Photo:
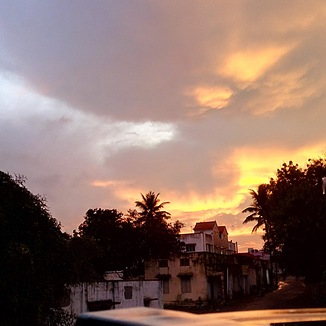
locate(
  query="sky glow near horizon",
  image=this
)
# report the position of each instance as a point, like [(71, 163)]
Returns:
[(198, 101)]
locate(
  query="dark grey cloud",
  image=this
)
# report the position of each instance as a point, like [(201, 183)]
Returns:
[(98, 100), (110, 58)]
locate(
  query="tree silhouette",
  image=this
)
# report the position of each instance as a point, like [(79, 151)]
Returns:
[(260, 213), (33, 254), (159, 238), (113, 238), (151, 208), (259, 210), (292, 211), (124, 242)]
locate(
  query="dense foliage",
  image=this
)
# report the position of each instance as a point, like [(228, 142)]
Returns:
[(160, 238), (32, 254), (292, 211), (112, 241), (38, 260), (122, 242)]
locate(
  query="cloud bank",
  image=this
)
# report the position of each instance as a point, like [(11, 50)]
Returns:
[(199, 101)]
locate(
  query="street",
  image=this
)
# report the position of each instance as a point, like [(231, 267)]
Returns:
[(291, 293)]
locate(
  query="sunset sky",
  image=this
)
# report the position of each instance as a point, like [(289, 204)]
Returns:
[(199, 101)]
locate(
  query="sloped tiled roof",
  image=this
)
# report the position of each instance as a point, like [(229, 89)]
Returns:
[(203, 226), (222, 228)]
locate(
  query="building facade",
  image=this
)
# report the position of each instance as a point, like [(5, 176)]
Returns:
[(209, 237), (209, 269), (107, 295)]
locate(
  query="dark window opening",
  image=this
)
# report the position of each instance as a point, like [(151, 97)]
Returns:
[(190, 247), (184, 262), (209, 248), (163, 263), (166, 287), (128, 292), (185, 285)]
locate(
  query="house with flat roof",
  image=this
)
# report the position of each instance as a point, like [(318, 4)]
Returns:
[(208, 270)]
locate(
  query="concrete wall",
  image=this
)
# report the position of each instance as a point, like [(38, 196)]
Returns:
[(221, 238), (199, 239), (114, 295), (174, 273), (201, 277)]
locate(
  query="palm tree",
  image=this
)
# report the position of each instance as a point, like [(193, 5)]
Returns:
[(259, 211), (151, 208), (159, 238)]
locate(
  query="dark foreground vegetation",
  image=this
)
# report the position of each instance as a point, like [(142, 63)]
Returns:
[(38, 259), (291, 209)]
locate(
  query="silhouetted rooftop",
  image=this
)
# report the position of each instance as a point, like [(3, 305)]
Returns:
[(203, 226)]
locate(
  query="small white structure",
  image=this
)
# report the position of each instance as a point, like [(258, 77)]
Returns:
[(233, 247), (113, 295), (259, 253)]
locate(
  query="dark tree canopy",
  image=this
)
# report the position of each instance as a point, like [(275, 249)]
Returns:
[(150, 209), (292, 211), (32, 254), (259, 210), (123, 242), (113, 239), (160, 238), (38, 259)]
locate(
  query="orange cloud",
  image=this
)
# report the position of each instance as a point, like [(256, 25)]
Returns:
[(283, 90), (104, 183), (249, 65), (244, 229), (257, 166), (212, 97), (212, 204), (252, 167)]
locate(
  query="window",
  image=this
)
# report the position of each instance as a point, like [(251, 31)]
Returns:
[(185, 285), (184, 262), (163, 263), (190, 247), (166, 287), (128, 292), (209, 248)]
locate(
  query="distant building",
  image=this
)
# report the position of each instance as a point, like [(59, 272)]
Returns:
[(208, 270), (209, 237)]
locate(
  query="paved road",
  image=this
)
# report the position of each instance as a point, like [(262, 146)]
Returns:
[(290, 294)]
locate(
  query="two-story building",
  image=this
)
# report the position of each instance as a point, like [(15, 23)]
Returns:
[(208, 270)]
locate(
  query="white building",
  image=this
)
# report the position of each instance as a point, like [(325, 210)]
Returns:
[(96, 296), (259, 253)]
